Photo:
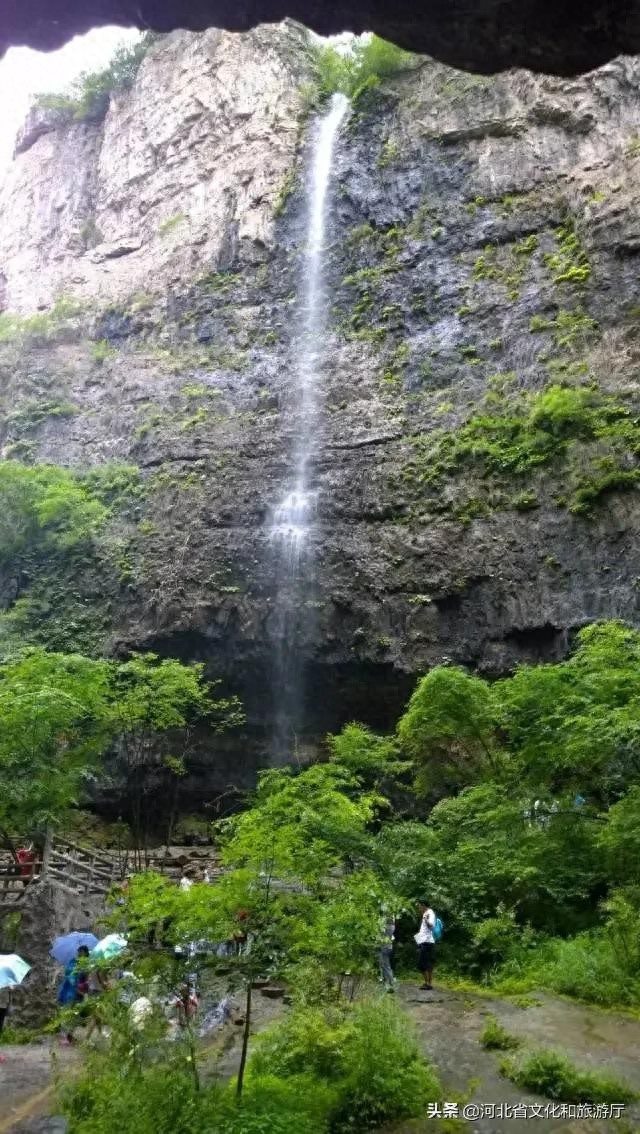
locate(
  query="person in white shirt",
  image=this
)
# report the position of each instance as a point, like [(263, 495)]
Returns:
[(425, 941)]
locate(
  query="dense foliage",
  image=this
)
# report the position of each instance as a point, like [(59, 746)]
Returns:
[(302, 884), (323, 1071), (534, 784), (589, 434), (53, 727), (523, 834), (44, 507), (61, 713)]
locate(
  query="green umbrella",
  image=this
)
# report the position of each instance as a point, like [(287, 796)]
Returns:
[(110, 946)]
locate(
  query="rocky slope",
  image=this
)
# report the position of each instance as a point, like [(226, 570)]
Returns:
[(477, 493)]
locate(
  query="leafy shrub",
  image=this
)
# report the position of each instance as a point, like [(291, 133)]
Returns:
[(367, 1056), (496, 1038), (384, 1076), (101, 351), (564, 411), (316, 1073), (550, 1074), (271, 1105), (163, 1099), (592, 489), (368, 756), (154, 1100), (43, 326), (537, 431), (115, 484), (569, 264), (44, 505), (600, 966)]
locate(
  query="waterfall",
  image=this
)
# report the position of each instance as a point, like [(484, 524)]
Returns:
[(293, 518)]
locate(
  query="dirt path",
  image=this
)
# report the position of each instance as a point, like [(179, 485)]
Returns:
[(26, 1076), (449, 1026)]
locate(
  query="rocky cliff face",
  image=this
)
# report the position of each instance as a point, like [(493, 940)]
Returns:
[(477, 488), (182, 173)]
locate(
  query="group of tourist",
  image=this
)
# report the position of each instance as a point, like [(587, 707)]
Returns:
[(429, 931), (81, 981)]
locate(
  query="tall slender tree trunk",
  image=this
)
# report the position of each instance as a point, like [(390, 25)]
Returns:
[(245, 1041)]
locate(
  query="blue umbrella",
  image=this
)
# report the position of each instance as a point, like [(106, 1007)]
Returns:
[(13, 970), (65, 948)]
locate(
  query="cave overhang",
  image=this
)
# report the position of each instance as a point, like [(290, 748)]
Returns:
[(562, 37)]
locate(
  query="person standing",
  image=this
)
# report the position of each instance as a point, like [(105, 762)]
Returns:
[(426, 943), (5, 1004), (385, 953), (75, 984)]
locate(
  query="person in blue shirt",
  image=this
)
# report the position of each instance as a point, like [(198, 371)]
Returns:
[(75, 983)]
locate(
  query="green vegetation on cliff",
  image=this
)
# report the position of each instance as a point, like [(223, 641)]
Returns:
[(62, 534), (589, 440), (360, 66), (87, 100), (535, 787)]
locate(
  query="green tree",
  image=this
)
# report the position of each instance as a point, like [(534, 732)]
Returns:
[(89, 95), (620, 839), (301, 826), (575, 726), (156, 707), (374, 760), (54, 725), (362, 65), (288, 858), (448, 730)]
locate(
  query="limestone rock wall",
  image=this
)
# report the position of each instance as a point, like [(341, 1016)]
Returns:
[(184, 170), (482, 249)]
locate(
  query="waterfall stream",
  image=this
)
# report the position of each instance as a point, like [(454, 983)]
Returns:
[(293, 518)]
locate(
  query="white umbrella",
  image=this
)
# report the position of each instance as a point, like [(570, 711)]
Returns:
[(13, 970)]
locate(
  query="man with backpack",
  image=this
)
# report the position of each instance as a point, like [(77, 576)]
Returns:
[(429, 932)]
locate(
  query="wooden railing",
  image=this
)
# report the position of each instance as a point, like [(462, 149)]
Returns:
[(70, 867), (80, 870)]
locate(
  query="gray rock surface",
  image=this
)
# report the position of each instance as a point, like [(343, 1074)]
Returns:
[(46, 912)]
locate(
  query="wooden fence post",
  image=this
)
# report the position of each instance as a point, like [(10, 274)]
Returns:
[(46, 851)]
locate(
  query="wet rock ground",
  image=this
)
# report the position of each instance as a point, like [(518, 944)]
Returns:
[(28, 1071), (449, 1026)]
